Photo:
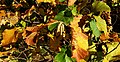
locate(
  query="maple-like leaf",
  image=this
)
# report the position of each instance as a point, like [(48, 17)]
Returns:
[(30, 39), (79, 40), (9, 36)]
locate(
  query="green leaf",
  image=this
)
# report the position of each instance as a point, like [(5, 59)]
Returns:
[(68, 13), (59, 16), (53, 26), (60, 57), (67, 20), (23, 23), (61, 0), (74, 11), (68, 59), (94, 28), (100, 6), (101, 24), (65, 17)]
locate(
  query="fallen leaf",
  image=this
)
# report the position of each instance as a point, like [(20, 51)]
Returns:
[(9, 36), (30, 39), (50, 1), (55, 42), (4, 53), (114, 54), (2, 15), (104, 36), (71, 2), (79, 40)]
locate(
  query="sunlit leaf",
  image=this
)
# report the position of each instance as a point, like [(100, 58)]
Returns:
[(105, 60), (74, 11), (2, 15), (71, 2), (114, 49), (79, 40), (23, 23), (9, 36), (101, 24), (50, 1), (68, 59)]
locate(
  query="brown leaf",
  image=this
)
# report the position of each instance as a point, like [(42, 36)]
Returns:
[(30, 39), (9, 36), (54, 42)]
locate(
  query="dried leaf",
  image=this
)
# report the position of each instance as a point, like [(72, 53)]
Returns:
[(2, 15), (50, 1), (30, 39), (79, 40), (4, 54), (104, 36), (71, 2), (9, 36), (54, 42)]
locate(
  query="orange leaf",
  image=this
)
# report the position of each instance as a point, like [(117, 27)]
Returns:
[(29, 39), (2, 14), (9, 36), (79, 40), (79, 54), (104, 36), (71, 2)]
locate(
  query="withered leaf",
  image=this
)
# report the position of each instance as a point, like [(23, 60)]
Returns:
[(30, 39), (9, 36), (71, 2), (79, 40)]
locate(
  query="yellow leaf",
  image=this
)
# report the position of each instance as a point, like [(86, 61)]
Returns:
[(79, 40), (8, 37), (115, 54), (82, 60), (50, 1), (101, 24), (12, 18), (105, 60)]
